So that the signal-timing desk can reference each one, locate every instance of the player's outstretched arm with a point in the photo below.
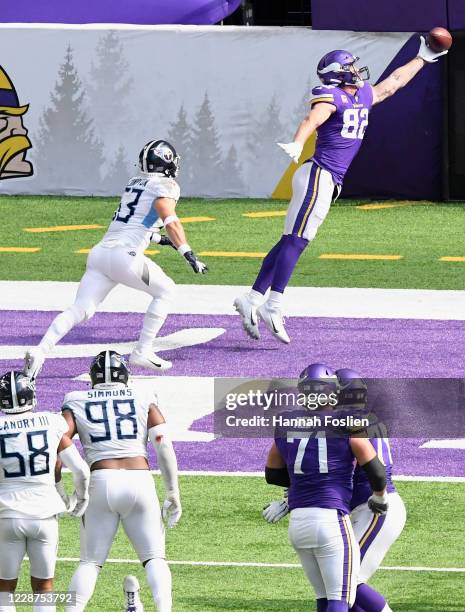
(166, 209)
(319, 113)
(403, 75)
(159, 437)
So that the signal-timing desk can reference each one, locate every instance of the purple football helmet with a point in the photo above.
(353, 389)
(318, 378)
(338, 68)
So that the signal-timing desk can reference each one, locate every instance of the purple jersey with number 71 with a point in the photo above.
(320, 470)
(340, 137)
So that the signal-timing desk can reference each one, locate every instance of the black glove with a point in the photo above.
(165, 241)
(198, 266)
(378, 504)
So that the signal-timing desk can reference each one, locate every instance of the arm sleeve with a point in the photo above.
(376, 474)
(79, 469)
(277, 476)
(167, 462)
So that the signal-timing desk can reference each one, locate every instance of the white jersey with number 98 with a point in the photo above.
(135, 220)
(111, 422)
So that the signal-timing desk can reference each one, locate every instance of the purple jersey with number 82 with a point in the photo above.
(320, 470)
(340, 137)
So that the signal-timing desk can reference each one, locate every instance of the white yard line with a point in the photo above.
(394, 568)
(218, 299)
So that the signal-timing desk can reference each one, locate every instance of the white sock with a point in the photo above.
(60, 326)
(386, 608)
(154, 318)
(83, 584)
(159, 580)
(275, 300)
(6, 608)
(39, 608)
(255, 297)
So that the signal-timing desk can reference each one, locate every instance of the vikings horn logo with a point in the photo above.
(14, 142)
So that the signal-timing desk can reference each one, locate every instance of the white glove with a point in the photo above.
(171, 511)
(69, 502)
(378, 504)
(275, 510)
(293, 149)
(427, 54)
(78, 505)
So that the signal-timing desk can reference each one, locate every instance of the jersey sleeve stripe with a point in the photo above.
(328, 98)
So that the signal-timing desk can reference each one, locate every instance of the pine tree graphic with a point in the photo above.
(206, 154)
(118, 174)
(68, 153)
(180, 136)
(267, 161)
(108, 88)
(232, 183)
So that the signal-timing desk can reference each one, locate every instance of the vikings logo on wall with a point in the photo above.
(14, 142)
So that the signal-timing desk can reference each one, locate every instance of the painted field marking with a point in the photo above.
(196, 219)
(359, 256)
(147, 251)
(391, 205)
(270, 213)
(231, 254)
(19, 249)
(389, 568)
(60, 228)
(452, 259)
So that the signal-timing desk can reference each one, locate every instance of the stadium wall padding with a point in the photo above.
(117, 11)
(381, 15)
(223, 96)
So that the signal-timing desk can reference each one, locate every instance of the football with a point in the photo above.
(439, 39)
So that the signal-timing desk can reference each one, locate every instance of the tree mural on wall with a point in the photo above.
(206, 153)
(109, 88)
(180, 136)
(118, 173)
(266, 158)
(67, 148)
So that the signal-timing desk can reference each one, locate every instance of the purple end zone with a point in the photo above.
(375, 347)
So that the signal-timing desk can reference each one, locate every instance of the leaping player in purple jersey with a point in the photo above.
(375, 533)
(339, 114)
(318, 471)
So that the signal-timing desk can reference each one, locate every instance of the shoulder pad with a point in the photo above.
(74, 396)
(324, 93)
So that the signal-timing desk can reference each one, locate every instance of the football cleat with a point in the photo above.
(248, 313)
(33, 362)
(149, 360)
(274, 320)
(131, 589)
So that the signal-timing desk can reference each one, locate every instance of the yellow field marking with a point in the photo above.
(196, 219)
(269, 213)
(379, 206)
(359, 256)
(147, 252)
(60, 228)
(452, 259)
(230, 254)
(19, 249)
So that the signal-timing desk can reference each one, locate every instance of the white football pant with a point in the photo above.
(108, 267)
(313, 190)
(38, 538)
(376, 533)
(328, 551)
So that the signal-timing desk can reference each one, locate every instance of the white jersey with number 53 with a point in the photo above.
(28, 453)
(135, 220)
(111, 422)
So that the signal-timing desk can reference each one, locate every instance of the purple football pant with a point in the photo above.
(279, 264)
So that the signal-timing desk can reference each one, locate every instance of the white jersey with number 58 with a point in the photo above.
(111, 422)
(28, 453)
(135, 220)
